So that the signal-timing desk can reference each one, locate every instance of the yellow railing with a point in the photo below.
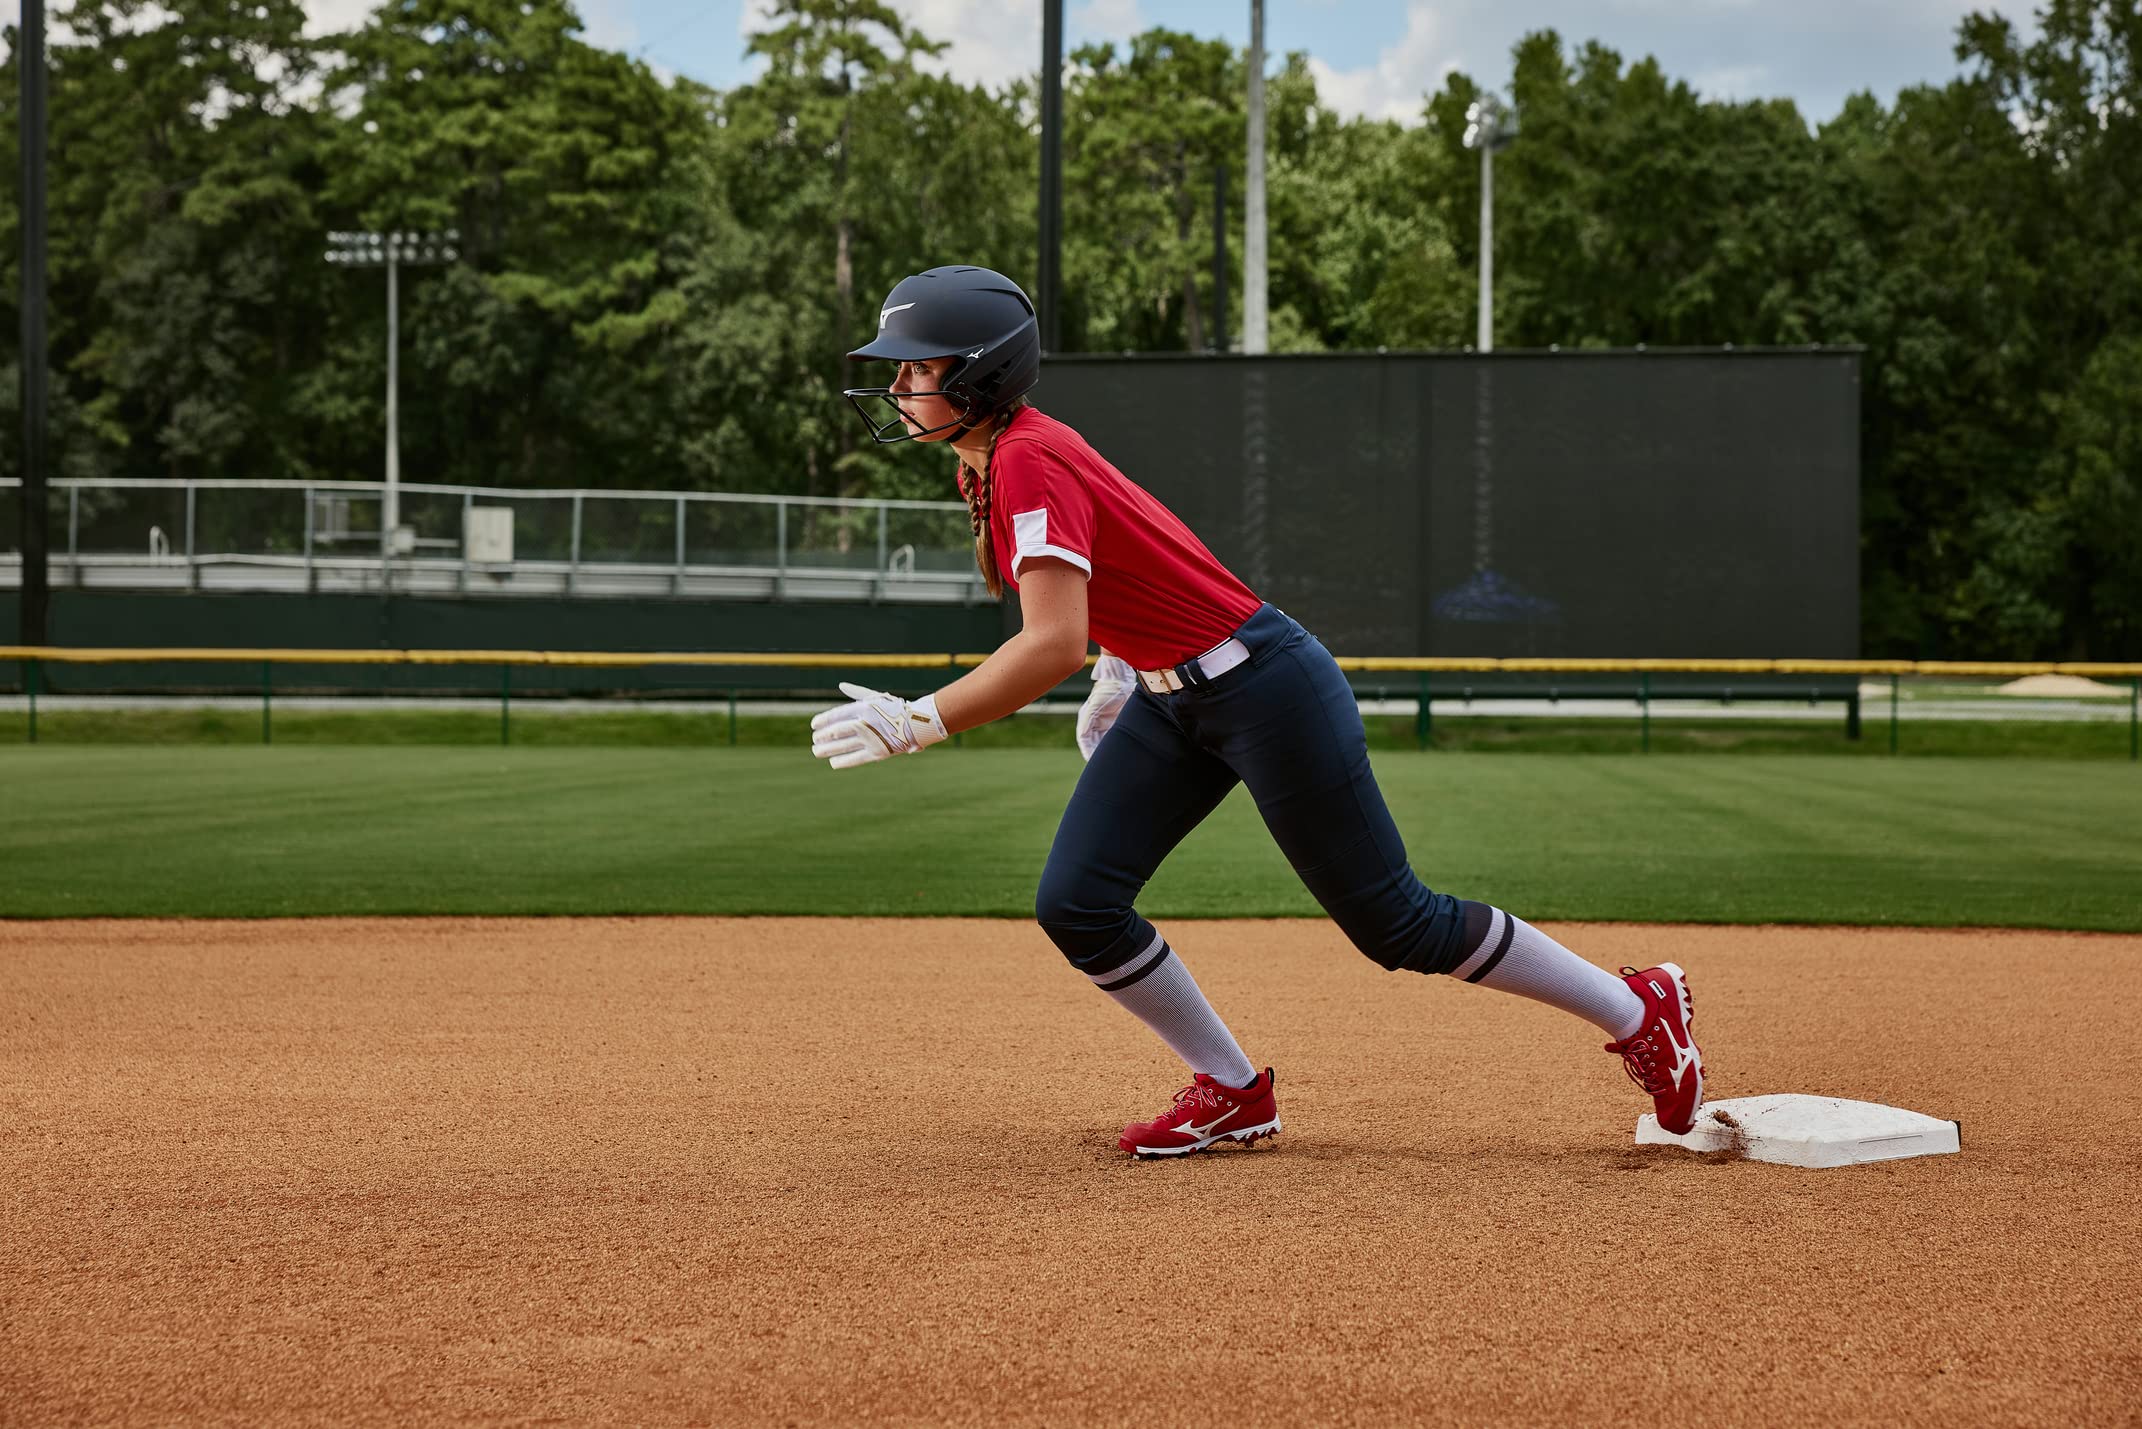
(819, 660)
(1423, 667)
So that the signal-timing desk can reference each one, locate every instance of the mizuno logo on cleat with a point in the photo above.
(1684, 1057)
(1201, 1132)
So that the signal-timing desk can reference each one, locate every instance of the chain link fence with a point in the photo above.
(315, 536)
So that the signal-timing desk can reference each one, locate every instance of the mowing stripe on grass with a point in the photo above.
(290, 830)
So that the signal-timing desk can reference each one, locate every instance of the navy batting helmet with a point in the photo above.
(980, 319)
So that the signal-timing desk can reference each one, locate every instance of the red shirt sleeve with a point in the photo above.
(1044, 504)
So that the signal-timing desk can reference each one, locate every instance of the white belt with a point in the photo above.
(1212, 664)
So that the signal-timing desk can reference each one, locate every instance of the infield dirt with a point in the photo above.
(707, 1171)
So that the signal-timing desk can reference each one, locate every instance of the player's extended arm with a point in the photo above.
(1051, 647)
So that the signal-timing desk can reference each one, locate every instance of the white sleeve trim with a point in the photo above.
(1073, 557)
(1030, 538)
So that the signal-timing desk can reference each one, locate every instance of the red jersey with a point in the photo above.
(1154, 594)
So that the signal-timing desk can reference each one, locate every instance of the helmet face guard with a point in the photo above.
(895, 429)
(982, 320)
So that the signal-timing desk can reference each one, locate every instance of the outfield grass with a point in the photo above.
(532, 725)
(215, 831)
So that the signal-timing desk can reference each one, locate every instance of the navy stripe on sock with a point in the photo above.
(1121, 983)
(1509, 931)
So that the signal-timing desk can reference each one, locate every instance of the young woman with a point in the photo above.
(1200, 685)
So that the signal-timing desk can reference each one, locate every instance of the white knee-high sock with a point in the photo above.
(1517, 957)
(1159, 991)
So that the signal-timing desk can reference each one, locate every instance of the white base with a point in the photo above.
(1796, 1130)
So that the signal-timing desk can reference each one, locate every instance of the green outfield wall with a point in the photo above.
(357, 622)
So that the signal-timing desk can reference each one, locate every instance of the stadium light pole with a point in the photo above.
(1049, 257)
(36, 584)
(1490, 125)
(1256, 322)
(363, 248)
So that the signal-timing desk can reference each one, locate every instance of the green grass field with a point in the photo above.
(200, 830)
(628, 727)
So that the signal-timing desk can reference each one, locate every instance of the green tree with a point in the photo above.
(842, 169)
(1631, 211)
(657, 281)
(1361, 255)
(182, 251)
(2052, 565)
(534, 359)
(2095, 470)
(1949, 402)
(1144, 135)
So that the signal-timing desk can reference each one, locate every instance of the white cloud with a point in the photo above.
(607, 24)
(990, 42)
(1734, 83)
(749, 20)
(322, 17)
(1395, 86)
(56, 28)
(1107, 20)
(337, 17)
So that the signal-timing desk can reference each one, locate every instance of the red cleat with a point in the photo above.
(1206, 1112)
(1662, 1056)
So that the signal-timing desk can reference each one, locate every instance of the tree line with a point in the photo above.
(655, 280)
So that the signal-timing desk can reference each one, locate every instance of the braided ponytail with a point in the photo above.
(975, 486)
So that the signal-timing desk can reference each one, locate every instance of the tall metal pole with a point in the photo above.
(391, 509)
(36, 589)
(364, 248)
(1219, 258)
(1489, 126)
(1256, 326)
(1487, 248)
(1049, 258)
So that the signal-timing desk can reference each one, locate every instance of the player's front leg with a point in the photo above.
(1146, 786)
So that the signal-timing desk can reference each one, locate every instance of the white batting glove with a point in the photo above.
(1113, 680)
(874, 726)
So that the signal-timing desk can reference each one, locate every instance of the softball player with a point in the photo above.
(1199, 685)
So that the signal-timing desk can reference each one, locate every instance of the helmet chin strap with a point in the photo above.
(988, 418)
(967, 423)
(958, 428)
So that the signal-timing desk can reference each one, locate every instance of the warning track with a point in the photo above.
(713, 1171)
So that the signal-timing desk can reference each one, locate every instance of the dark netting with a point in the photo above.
(1569, 504)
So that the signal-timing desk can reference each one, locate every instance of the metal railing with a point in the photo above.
(312, 536)
(1422, 669)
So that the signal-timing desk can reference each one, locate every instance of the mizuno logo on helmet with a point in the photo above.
(976, 353)
(888, 312)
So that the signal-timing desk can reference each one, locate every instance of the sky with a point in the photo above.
(1370, 57)
(1378, 57)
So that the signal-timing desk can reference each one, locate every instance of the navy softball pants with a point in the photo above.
(1284, 723)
